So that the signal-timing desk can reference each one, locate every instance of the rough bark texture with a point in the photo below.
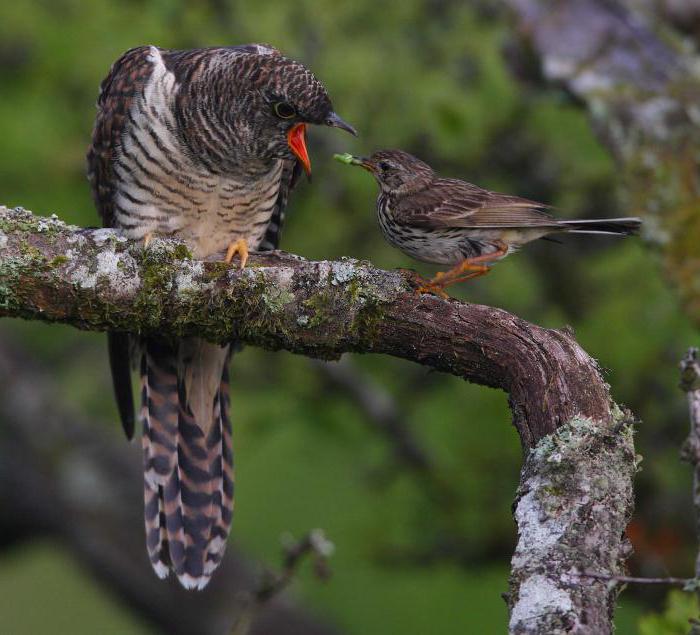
(690, 384)
(641, 84)
(572, 507)
(77, 482)
(576, 490)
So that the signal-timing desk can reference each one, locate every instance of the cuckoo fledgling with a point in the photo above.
(203, 145)
(452, 222)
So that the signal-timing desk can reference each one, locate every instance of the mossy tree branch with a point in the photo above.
(95, 279)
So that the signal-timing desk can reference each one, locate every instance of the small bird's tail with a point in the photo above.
(618, 226)
(188, 461)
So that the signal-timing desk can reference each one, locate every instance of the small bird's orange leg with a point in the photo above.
(437, 285)
(147, 239)
(472, 267)
(469, 276)
(239, 247)
(490, 257)
(474, 264)
(454, 274)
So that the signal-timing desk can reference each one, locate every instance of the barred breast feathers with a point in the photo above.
(161, 189)
(150, 187)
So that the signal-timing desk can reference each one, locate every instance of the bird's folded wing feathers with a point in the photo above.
(453, 203)
(119, 348)
(290, 176)
(125, 81)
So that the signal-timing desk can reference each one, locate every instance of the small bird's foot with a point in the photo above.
(147, 239)
(469, 276)
(413, 277)
(423, 285)
(239, 247)
(433, 288)
(465, 270)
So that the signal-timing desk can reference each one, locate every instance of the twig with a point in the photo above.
(689, 584)
(690, 384)
(314, 544)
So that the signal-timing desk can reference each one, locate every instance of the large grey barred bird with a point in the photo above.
(204, 145)
(452, 222)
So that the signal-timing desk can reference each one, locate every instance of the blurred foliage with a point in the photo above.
(428, 77)
(680, 608)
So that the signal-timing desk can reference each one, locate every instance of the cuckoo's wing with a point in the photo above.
(126, 80)
(454, 203)
(119, 350)
(291, 172)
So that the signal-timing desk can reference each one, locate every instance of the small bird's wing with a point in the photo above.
(125, 80)
(455, 203)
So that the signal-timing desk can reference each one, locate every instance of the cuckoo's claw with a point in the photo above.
(239, 247)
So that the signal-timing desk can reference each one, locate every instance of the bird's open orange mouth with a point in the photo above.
(296, 138)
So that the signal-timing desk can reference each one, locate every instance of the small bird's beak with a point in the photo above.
(296, 138)
(349, 159)
(335, 121)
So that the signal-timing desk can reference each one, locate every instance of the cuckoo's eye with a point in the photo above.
(284, 110)
(384, 166)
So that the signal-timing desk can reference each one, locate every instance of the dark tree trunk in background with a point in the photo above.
(640, 82)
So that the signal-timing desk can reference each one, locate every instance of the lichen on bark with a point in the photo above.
(575, 497)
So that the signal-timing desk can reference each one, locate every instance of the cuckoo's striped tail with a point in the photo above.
(188, 463)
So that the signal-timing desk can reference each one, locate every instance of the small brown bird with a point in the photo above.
(452, 222)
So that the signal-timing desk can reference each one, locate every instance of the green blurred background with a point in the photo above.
(428, 77)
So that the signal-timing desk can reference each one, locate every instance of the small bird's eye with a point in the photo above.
(284, 110)
(384, 166)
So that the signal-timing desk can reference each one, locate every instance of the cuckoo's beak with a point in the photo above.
(335, 121)
(296, 138)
